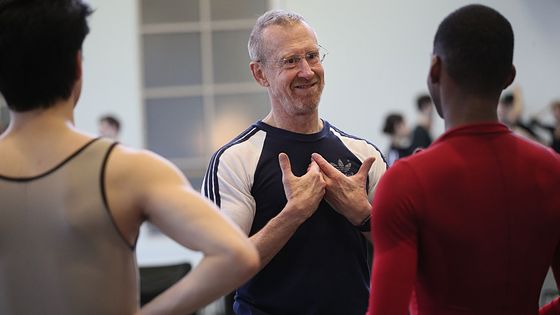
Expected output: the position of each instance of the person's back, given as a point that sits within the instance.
(60, 239)
(70, 212)
(473, 225)
(71, 205)
(490, 212)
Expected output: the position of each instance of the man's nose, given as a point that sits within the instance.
(305, 70)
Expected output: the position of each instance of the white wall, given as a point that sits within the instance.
(112, 69)
(380, 50)
(378, 60)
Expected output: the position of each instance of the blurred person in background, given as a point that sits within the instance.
(510, 113)
(395, 127)
(553, 128)
(109, 126)
(422, 132)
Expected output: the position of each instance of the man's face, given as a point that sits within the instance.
(402, 130)
(428, 109)
(294, 91)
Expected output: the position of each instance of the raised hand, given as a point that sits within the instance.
(303, 193)
(346, 194)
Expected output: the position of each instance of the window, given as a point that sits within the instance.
(198, 91)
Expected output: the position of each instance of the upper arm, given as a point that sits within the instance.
(394, 231)
(158, 191)
(228, 183)
(377, 170)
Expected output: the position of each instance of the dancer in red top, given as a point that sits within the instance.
(471, 224)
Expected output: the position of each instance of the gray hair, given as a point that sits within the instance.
(256, 45)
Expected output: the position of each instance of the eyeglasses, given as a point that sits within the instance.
(312, 58)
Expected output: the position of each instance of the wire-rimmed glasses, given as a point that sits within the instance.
(312, 58)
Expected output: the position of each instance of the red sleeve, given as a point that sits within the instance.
(553, 308)
(394, 234)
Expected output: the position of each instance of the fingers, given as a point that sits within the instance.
(325, 166)
(331, 171)
(366, 166)
(285, 166)
(313, 167)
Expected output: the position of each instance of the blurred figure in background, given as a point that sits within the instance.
(395, 127)
(553, 129)
(510, 112)
(422, 133)
(109, 127)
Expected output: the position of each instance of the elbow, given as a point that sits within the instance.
(247, 260)
(252, 261)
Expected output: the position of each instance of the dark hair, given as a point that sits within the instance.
(391, 122)
(111, 120)
(39, 43)
(476, 45)
(422, 101)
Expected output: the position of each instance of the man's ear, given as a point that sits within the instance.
(511, 77)
(435, 69)
(258, 73)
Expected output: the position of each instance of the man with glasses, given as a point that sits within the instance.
(298, 186)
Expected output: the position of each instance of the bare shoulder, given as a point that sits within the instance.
(142, 166)
(139, 181)
(135, 177)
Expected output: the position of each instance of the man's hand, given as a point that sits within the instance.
(303, 193)
(346, 194)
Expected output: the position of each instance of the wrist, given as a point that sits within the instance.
(358, 216)
(364, 225)
(291, 213)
